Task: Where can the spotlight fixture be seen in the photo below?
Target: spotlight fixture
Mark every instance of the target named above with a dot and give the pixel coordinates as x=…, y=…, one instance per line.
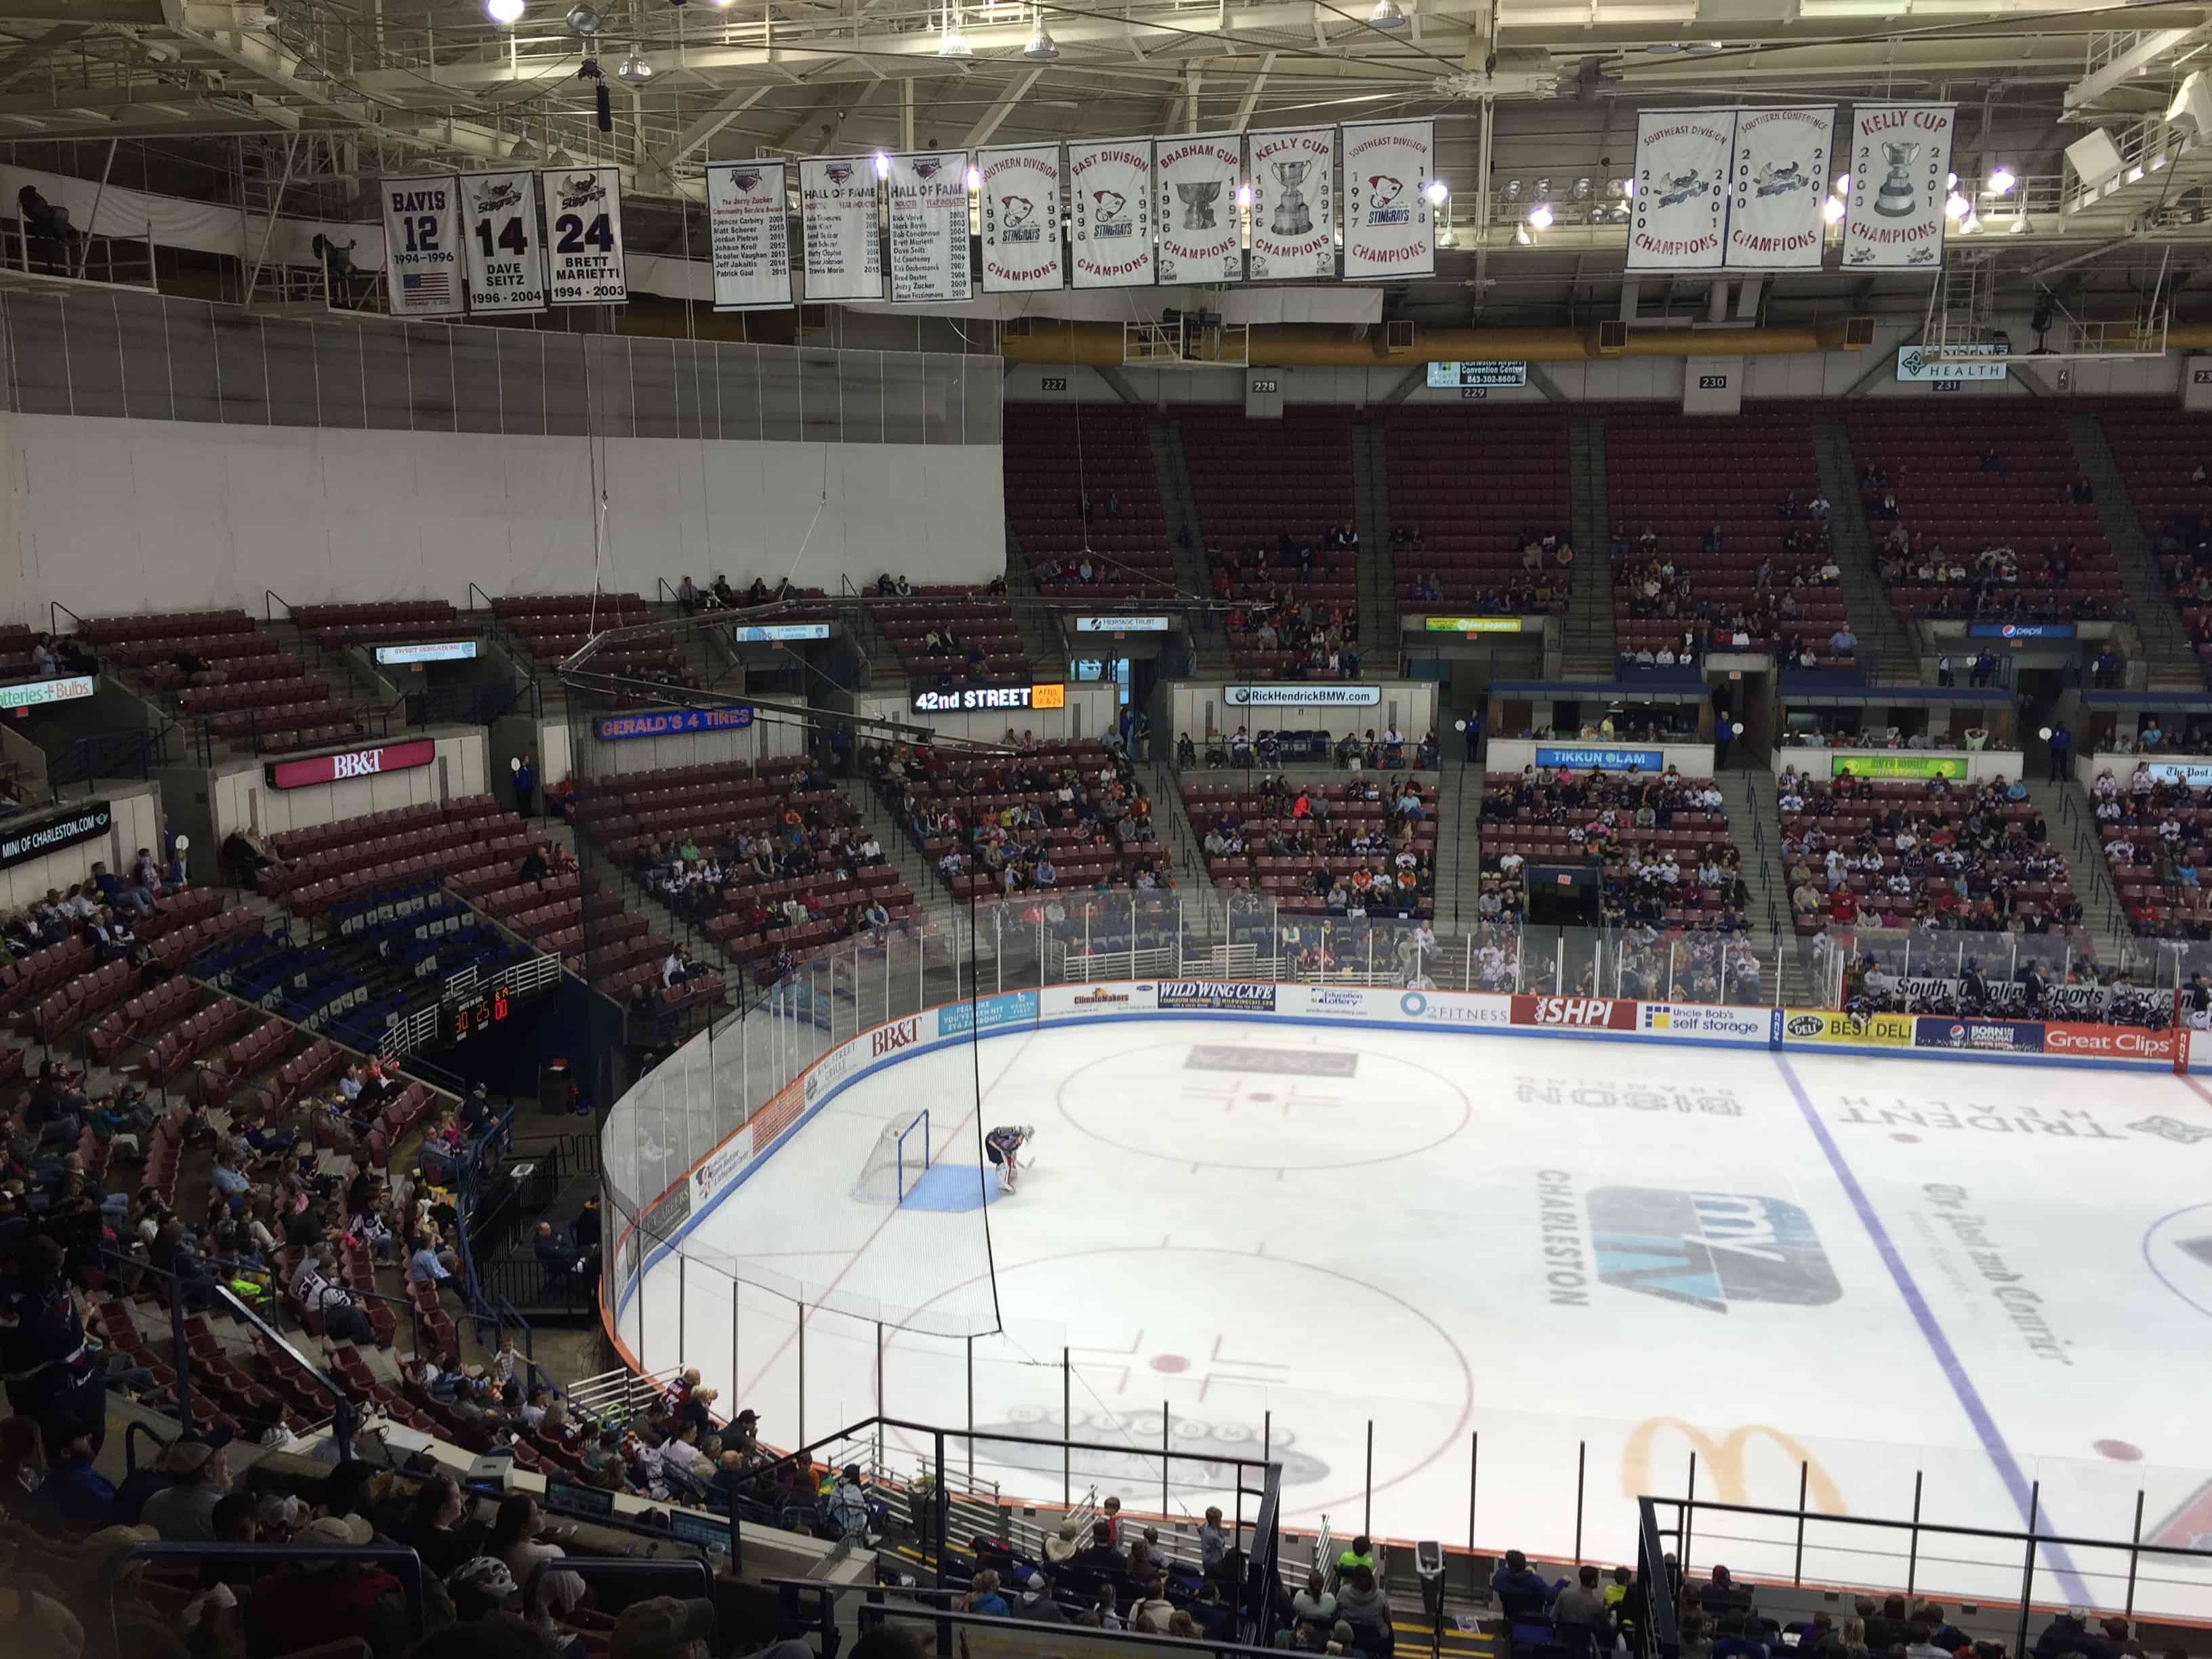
x=1513, y=190
x=634, y=71
x=1842, y=184
x=2001, y=181
x=504, y=12
x=1041, y=47
x=1582, y=190
x=524, y=150
x=1386, y=15
x=1832, y=209
x=560, y=158
x=583, y=20
x=309, y=69
x=272, y=14
x=1438, y=192
x=1244, y=196
x=1624, y=188
x=1540, y=216
x=1950, y=181
x=883, y=165
x=1544, y=190
x=1521, y=236
x=950, y=43
x=975, y=179
x=1955, y=206
x=2020, y=226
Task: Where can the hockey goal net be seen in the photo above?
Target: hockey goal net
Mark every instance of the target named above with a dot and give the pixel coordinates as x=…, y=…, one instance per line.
x=900, y=1156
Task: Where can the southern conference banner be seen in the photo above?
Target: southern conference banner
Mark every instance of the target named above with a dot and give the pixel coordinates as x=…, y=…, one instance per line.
x=1021, y=218
x=1110, y=194
x=1198, y=211
x=1390, y=223
x=929, y=227
x=1679, y=216
x=505, y=258
x=1780, y=184
x=423, y=245
x=1293, y=209
x=837, y=229
x=751, y=241
x=1900, y=164
x=583, y=220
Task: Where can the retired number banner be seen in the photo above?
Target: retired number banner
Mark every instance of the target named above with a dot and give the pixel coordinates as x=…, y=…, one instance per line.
x=1293, y=204
x=423, y=245
x=1390, y=223
x=1197, y=213
x=1780, y=184
x=1679, y=218
x=837, y=202
x=750, y=237
x=1021, y=218
x=1110, y=217
x=1900, y=162
x=929, y=227
x=583, y=224
x=506, y=260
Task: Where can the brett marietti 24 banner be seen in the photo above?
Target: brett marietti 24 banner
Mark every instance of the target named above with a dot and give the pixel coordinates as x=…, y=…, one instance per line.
x=1900, y=162
x=1390, y=223
x=1678, y=215
x=1021, y=218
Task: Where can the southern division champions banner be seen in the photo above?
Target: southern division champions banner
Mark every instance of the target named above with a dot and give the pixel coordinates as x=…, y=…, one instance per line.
x=1679, y=217
x=505, y=258
x=1900, y=163
x=929, y=227
x=423, y=245
x=1779, y=185
x=583, y=226
x=1198, y=214
x=752, y=241
x=1110, y=218
x=1390, y=223
x=1021, y=218
x=1293, y=204
x=837, y=229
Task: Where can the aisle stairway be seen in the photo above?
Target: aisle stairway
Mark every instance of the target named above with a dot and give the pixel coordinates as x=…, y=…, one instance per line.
x=1379, y=643
x=1459, y=830
x=1887, y=656
x=1587, y=650
x=2065, y=808
x=1186, y=536
x=2169, y=659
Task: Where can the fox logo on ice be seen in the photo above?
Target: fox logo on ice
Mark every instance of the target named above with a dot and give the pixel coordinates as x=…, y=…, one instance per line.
x=1709, y=1249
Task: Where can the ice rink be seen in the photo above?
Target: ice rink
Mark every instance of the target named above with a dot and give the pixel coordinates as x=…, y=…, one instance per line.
x=1461, y=1278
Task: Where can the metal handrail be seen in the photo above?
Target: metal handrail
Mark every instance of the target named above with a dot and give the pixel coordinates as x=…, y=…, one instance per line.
x=111, y=1565
x=270, y=600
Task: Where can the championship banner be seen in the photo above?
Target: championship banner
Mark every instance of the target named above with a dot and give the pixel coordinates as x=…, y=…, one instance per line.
x=1109, y=188
x=1681, y=206
x=1390, y=223
x=506, y=260
x=1779, y=185
x=1021, y=219
x=843, y=256
x=1198, y=216
x=583, y=223
x=1900, y=163
x=423, y=246
x=1293, y=206
x=929, y=227
x=750, y=238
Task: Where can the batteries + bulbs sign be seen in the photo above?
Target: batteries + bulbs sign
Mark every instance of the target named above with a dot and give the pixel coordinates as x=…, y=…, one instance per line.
x=351, y=764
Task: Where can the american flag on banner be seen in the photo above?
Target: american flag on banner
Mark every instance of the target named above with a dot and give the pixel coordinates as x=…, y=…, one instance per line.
x=427, y=286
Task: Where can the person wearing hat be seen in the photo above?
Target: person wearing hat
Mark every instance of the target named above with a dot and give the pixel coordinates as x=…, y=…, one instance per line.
x=482, y=1586
x=333, y=1599
x=742, y=1436
x=1064, y=1545
x=183, y=1512
x=664, y=1627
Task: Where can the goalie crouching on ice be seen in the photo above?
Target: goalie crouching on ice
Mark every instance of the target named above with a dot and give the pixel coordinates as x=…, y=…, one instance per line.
x=1003, y=1146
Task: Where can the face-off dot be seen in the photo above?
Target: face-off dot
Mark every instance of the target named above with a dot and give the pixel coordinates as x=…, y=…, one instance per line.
x=1910, y=1140
x=1169, y=1362
x=2120, y=1451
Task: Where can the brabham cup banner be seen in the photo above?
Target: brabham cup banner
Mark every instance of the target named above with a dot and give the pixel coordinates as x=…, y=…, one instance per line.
x=1021, y=218
x=1111, y=213
x=1294, y=205
x=1679, y=218
x=1390, y=223
x=1900, y=166
x=929, y=227
x=751, y=241
x=423, y=245
x=584, y=227
x=506, y=259
x=1779, y=185
x=1198, y=212
x=843, y=256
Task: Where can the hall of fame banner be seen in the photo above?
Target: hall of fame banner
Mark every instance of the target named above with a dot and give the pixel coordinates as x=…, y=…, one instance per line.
x=1390, y=223
x=749, y=235
x=1678, y=215
x=1778, y=188
x=1293, y=204
x=1198, y=214
x=423, y=245
x=929, y=227
x=841, y=253
x=1021, y=218
x=1900, y=165
x=503, y=253
x=1111, y=213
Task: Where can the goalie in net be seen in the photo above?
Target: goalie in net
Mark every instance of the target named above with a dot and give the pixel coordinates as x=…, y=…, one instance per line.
x=1003, y=1146
x=898, y=1160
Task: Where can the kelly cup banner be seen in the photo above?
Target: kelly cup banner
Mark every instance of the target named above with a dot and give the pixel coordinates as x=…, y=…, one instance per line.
x=1198, y=212
x=842, y=254
x=1111, y=213
x=584, y=229
x=1900, y=165
x=506, y=259
x=1293, y=212
x=929, y=227
x=752, y=241
x=1390, y=223
x=1678, y=215
x=1021, y=218
x=1780, y=184
x=423, y=245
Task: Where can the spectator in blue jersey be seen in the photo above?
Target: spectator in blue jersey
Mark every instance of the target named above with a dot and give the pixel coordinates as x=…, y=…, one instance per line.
x=1519, y=1589
x=526, y=785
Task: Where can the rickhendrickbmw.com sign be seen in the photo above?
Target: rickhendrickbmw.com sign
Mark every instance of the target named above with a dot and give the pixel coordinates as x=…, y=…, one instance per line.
x=1298, y=694
x=20, y=843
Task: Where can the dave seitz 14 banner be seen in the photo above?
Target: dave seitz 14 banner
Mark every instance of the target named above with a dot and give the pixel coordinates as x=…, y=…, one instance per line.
x=499, y=231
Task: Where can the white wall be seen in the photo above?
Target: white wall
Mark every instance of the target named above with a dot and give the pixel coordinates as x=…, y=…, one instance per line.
x=1091, y=712
x=109, y=516
x=238, y=797
x=137, y=809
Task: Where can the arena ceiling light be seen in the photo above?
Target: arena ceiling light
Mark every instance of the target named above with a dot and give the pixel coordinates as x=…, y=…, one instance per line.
x=505, y=13
x=1041, y=47
x=1540, y=216
x=2001, y=181
x=1438, y=192
x=309, y=69
x=634, y=71
x=583, y=20
x=524, y=150
x=1386, y=15
x=1832, y=209
x=950, y=43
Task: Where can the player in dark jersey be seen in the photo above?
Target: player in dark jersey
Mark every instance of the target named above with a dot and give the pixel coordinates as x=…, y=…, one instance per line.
x=1002, y=1145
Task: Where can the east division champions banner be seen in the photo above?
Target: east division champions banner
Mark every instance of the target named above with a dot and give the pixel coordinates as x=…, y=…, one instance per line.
x=506, y=259
x=423, y=245
x=1679, y=214
x=1900, y=162
x=1197, y=213
x=583, y=226
x=751, y=241
x=1293, y=206
x=1111, y=213
x=1390, y=223
x=1021, y=218
x=843, y=256
x=1780, y=184
x=929, y=227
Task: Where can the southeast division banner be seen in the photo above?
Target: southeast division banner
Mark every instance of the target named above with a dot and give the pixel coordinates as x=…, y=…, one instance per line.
x=842, y=253
x=1021, y=218
x=750, y=238
x=1111, y=213
x=1779, y=182
x=1678, y=215
x=1390, y=223
x=423, y=245
x=1900, y=164
x=583, y=226
x=1197, y=213
x=929, y=227
x=1293, y=206
x=506, y=259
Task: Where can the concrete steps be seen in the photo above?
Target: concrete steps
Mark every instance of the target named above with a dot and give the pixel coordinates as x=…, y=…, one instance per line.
x=2170, y=661
x=1378, y=577
x=1586, y=652
x=1187, y=538
x=1887, y=652
x=2066, y=815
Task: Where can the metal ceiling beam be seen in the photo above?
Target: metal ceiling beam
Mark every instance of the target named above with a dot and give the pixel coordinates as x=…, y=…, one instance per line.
x=995, y=116
x=701, y=131
x=2123, y=69
x=1251, y=98
x=32, y=54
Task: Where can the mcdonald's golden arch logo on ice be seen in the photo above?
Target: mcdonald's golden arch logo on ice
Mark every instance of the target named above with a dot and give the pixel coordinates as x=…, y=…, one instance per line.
x=1721, y=1462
